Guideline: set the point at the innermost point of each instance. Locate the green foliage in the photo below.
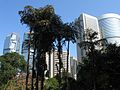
(51, 84)
(106, 69)
(10, 63)
(68, 83)
(100, 69)
(15, 60)
(46, 25)
(22, 64)
(6, 72)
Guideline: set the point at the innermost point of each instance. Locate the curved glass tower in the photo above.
(110, 27)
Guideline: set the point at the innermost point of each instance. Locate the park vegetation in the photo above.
(10, 65)
(98, 70)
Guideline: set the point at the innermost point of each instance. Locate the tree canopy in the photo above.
(48, 31)
(104, 72)
(11, 64)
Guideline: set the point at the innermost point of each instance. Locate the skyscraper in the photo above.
(84, 23)
(110, 27)
(12, 43)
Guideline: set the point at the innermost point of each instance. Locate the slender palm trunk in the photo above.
(27, 76)
(49, 63)
(93, 71)
(42, 81)
(67, 62)
(37, 76)
(68, 56)
(43, 70)
(38, 67)
(60, 61)
(41, 67)
(33, 71)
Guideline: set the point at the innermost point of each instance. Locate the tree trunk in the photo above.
(67, 62)
(44, 67)
(42, 81)
(49, 63)
(37, 77)
(27, 76)
(33, 71)
(93, 67)
(68, 57)
(60, 61)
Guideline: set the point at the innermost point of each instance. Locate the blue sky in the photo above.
(67, 9)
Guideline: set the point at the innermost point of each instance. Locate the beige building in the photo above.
(53, 63)
(73, 65)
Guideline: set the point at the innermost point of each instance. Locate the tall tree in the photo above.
(48, 31)
(106, 67)
(70, 35)
(40, 22)
(90, 44)
(99, 69)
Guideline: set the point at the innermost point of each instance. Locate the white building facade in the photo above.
(84, 23)
(110, 27)
(12, 43)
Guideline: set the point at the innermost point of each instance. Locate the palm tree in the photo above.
(90, 45)
(27, 45)
(41, 21)
(48, 31)
(70, 35)
(27, 76)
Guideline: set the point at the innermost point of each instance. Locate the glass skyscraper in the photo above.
(12, 43)
(110, 27)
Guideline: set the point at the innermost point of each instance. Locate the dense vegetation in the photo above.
(100, 69)
(10, 65)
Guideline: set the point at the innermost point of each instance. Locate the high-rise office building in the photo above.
(53, 64)
(12, 43)
(83, 24)
(110, 27)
